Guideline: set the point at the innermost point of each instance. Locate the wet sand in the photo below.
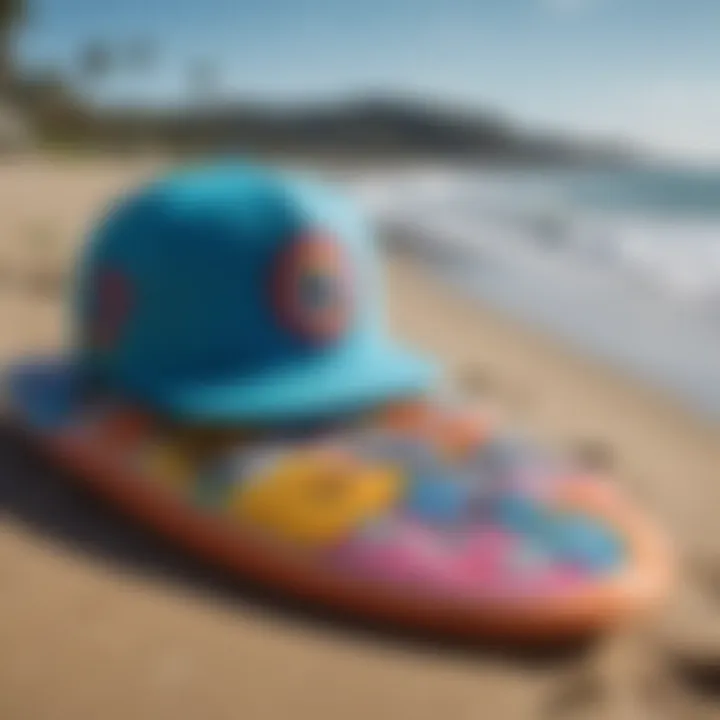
(98, 619)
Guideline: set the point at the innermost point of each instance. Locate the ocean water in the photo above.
(622, 264)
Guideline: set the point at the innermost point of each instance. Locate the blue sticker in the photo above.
(574, 539)
(437, 499)
(585, 542)
(520, 515)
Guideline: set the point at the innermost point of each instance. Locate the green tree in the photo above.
(12, 13)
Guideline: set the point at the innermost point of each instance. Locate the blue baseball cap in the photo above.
(236, 293)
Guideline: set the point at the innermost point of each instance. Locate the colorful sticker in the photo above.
(316, 498)
(393, 504)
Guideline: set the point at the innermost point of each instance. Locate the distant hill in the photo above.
(364, 126)
(369, 126)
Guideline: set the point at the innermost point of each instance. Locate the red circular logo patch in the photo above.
(312, 288)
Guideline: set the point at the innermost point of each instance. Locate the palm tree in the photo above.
(12, 13)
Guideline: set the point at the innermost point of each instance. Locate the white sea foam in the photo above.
(636, 285)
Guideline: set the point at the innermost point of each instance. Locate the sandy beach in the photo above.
(100, 620)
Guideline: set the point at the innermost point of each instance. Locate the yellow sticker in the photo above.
(315, 497)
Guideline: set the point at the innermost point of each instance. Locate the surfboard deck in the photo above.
(421, 515)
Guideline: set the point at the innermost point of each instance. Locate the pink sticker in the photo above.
(486, 562)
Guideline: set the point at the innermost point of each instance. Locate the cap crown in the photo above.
(223, 271)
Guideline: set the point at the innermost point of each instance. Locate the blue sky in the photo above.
(648, 70)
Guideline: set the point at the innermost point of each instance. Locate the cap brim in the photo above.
(342, 382)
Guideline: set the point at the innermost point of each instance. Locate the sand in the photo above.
(100, 620)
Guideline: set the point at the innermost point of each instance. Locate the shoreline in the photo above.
(637, 291)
